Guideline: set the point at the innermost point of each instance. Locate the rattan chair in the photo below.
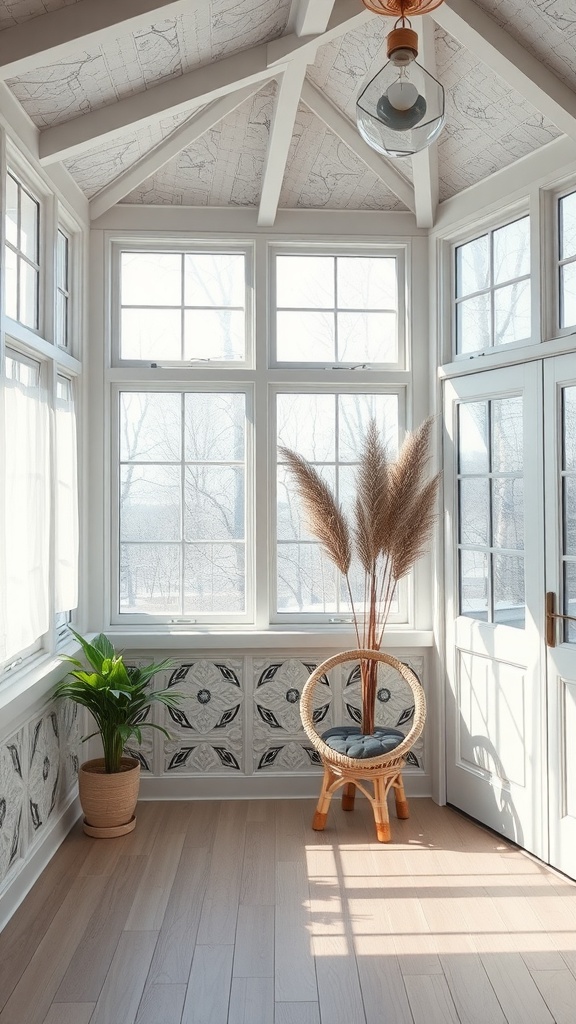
(384, 772)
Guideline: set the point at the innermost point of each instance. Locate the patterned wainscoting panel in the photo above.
(207, 727)
(44, 769)
(394, 701)
(12, 801)
(279, 742)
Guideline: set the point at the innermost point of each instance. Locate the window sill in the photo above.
(300, 639)
(30, 685)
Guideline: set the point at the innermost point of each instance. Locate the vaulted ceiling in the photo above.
(251, 102)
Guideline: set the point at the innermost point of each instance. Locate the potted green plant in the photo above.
(118, 697)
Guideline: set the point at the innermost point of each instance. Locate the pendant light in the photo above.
(400, 110)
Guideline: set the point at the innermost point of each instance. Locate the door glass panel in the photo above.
(491, 510)
(569, 508)
(569, 601)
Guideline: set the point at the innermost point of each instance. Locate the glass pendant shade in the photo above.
(400, 112)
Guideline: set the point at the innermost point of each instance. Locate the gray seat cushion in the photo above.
(349, 740)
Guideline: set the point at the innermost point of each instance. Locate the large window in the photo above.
(567, 259)
(182, 307)
(207, 525)
(22, 253)
(492, 289)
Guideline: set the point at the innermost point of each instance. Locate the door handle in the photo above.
(551, 616)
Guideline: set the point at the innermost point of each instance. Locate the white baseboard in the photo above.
(253, 787)
(18, 885)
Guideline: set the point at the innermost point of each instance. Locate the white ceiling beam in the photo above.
(309, 17)
(182, 136)
(189, 91)
(345, 17)
(51, 37)
(349, 134)
(281, 132)
(171, 96)
(508, 58)
(425, 163)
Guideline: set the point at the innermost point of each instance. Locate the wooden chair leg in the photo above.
(381, 812)
(321, 813)
(348, 796)
(402, 807)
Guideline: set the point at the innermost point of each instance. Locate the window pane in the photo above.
(512, 251)
(367, 337)
(367, 282)
(150, 578)
(354, 414)
(150, 503)
(151, 279)
(62, 261)
(473, 437)
(214, 279)
(214, 426)
(568, 295)
(472, 266)
(214, 334)
(508, 513)
(28, 226)
(214, 503)
(474, 585)
(474, 511)
(569, 502)
(214, 579)
(151, 334)
(567, 209)
(150, 427)
(507, 435)
(306, 580)
(11, 283)
(512, 314)
(473, 324)
(305, 282)
(305, 337)
(61, 320)
(28, 311)
(306, 424)
(509, 590)
(569, 601)
(569, 427)
(11, 211)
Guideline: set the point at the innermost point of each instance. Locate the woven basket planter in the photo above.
(109, 800)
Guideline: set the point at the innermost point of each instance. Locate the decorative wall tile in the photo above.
(44, 768)
(222, 168)
(68, 715)
(279, 741)
(133, 63)
(394, 701)
(207, 726)
(12, 801)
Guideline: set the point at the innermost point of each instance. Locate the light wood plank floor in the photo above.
(238, 913)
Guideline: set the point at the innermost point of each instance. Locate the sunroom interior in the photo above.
(203, 259)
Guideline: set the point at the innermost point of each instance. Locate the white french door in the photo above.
(560, 491)
(496, 703)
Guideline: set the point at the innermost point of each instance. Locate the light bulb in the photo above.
(402, 94)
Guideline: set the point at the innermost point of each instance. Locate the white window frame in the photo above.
(200, 619)
(555, 262)
(65, 291)
(397, 252)
(245, 248)
(23, 186)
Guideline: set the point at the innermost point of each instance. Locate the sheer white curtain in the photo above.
(66, 499)
(25, 508)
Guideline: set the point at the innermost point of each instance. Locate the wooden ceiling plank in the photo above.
(345, 130)
(50, 37)
(425, 163)
(171, 146)
(475, 30)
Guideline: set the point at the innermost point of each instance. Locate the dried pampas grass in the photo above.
(394, 515)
